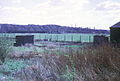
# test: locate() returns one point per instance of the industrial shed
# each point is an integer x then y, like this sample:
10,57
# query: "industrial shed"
115,33
22,40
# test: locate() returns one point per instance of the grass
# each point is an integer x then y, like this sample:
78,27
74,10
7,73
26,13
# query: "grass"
95,64
101,63
9,67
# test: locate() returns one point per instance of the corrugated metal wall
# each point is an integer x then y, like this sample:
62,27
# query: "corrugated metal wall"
115,35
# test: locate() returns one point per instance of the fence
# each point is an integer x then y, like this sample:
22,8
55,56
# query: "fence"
55,37
65,37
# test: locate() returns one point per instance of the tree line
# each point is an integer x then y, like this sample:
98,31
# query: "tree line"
30,28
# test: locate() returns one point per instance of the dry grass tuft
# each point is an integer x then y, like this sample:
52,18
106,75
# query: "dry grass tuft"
100,63
95,64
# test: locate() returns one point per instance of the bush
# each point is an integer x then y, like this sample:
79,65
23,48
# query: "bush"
5,48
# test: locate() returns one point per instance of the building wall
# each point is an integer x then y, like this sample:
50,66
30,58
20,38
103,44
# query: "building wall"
22,40
115,35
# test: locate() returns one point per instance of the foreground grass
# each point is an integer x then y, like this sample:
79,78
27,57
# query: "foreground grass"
89,64
94,64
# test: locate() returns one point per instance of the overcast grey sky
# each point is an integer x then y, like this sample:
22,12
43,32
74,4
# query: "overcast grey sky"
84,13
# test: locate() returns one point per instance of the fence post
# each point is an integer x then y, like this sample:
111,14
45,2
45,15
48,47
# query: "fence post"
50,37
39,37
72,38
89,38
45,36
64,38
57,37
80,38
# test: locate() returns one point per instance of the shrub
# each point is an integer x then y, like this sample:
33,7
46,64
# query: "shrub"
5,48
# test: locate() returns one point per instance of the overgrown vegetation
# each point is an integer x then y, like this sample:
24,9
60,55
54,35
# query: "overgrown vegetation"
5,47
100,63
95,64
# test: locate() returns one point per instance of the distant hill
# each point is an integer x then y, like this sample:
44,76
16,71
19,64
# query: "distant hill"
12,28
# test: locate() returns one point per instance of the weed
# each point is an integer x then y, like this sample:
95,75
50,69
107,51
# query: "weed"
68,75
12,65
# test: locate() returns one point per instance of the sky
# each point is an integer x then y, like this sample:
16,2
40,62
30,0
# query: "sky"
99,14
